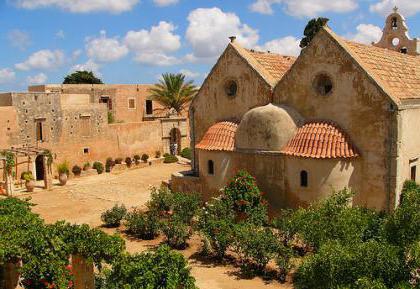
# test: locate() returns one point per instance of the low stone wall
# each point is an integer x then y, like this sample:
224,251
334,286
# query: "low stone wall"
186,183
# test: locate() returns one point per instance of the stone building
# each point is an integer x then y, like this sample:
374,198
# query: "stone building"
342,114
73,122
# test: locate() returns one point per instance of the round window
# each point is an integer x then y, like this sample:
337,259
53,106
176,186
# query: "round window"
323,84
395,41
231,88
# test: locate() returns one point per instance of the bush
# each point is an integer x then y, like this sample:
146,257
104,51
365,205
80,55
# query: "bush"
63,168
332,219
111,118
144,158
86,166
158,154
256,246
186,153
216,225
177,233
118,161
162,268
27,176
76,170
170,159
185,206
99,167
341,266
112,217
403,226
137,159
128,161
109,164
160,200
143,225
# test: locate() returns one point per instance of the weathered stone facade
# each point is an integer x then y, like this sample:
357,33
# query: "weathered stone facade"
342,116
72,122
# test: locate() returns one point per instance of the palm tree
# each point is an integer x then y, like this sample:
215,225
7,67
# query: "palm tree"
173,91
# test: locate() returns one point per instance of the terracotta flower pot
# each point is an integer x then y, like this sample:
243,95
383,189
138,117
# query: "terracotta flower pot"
30,186
63,179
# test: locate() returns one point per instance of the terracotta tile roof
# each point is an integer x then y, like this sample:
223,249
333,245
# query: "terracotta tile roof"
270,66
397,73
219,137
277,65
321,140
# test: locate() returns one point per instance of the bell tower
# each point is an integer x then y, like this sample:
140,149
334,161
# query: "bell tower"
395,36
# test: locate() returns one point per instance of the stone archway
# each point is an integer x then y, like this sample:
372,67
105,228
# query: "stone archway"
175,141
40,169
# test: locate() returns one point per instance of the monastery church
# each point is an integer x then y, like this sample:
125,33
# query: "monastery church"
341,115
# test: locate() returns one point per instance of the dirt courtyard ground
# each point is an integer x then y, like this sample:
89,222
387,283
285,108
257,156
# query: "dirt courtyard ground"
83,200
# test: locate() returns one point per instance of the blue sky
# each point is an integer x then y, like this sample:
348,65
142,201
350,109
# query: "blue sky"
135,41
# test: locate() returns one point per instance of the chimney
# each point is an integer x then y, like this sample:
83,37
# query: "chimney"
232,39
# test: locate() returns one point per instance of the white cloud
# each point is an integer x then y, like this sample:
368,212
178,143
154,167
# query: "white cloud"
7,75
43,60
190,74
305,8
406,7
60,34
367,33
163,3
19,39
153,47
209,29
40,78
288,45
90,65
79,6
103,49
76,54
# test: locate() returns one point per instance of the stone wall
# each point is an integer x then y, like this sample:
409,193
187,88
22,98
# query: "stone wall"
356,104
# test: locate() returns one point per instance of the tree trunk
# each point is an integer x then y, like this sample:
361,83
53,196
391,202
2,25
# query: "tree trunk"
84,277
9,275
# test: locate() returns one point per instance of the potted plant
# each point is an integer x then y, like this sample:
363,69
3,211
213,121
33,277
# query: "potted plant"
158,154
118,161
86,166
109,164
63,172
76,170
144,158
128,161
29,181
137,159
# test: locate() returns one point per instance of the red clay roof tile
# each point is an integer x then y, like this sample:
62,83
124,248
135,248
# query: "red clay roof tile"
219,137
321,140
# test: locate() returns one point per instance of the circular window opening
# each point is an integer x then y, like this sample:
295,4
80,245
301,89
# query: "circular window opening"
231,88
323,84
395,41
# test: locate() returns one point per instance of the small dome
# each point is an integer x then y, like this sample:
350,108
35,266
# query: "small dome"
267,128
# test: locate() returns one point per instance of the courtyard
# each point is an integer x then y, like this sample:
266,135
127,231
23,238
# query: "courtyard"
83,200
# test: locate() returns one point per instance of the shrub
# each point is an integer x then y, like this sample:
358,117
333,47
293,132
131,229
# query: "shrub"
137,159
128,161
170,159
109,164
177,233
118,161
341,266
63,168
185,206
111,118
144,158
112,217
76,170
143,225
99,167
86,166
333,219
186,153
160,200
162,268
256,246
166,154
216,225
27,176
158,154
403,226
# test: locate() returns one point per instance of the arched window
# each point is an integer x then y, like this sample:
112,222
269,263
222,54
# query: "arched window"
210,167
304,179
394,23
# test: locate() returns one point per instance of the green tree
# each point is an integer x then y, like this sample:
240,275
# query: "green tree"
173,91
82,77
311,29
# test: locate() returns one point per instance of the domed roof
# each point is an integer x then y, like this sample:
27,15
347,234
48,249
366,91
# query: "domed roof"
267,128
219,137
